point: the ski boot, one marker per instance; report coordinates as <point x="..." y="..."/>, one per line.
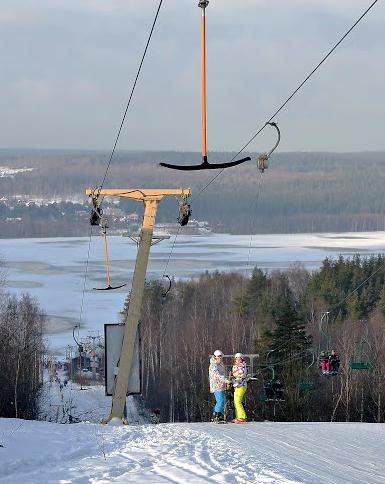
<point x="218" y="418"/>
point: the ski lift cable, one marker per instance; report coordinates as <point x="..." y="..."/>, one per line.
<point x="131" y="95"/>
<point x="85" y="278"/>
<point x="262" y="165"/>
<point x="115" y="144"/>
<point x="293" y="93"/>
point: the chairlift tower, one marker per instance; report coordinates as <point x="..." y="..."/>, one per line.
<point x="150" y="198"/>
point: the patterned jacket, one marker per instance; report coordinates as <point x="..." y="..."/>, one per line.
<point x="217" y="375"/>
<point x="239" y="375"/>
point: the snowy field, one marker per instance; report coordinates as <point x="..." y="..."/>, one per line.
<point x="53" y="269"/>
<point x="266" y="452"/>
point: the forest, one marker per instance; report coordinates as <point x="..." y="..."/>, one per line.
<point x="21" y="356"/>
<point x="299" y="192"/>
<point x="276" y="316"/>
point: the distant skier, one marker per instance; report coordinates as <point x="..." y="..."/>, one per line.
<point x="269" y="392"/>
<point x="239" y="381"/>
<point x="334" y="362"/>
<point x="324" y="362"/>
<point x="217" y="377"/>
<point x="278" y="389"/>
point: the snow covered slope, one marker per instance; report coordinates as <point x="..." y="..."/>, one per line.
<point x="42" y="452"/>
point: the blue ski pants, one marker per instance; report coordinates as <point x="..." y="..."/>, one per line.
<point x="219" y="401"/>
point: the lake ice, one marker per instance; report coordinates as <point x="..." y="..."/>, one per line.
<point x="53" y="269"/>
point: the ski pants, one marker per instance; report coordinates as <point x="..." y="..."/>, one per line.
<point x="219" y="401"/>
<point x="239" y="393"/>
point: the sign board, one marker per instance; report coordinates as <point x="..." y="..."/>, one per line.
<point x="113" y="339"/>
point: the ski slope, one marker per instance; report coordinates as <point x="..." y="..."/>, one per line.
<point x="257" y="452"/>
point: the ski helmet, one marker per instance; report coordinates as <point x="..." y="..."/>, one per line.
<point x="218" y="353"/>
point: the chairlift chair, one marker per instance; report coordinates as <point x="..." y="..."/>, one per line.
<point x="307" y="385"/>
<point x="362" y="363"/>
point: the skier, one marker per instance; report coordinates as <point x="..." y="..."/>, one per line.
<point x="278" y="389"/>
<point x="324" y="362"/>
<point x="334" y="363"/>
<point x="239" y="381"/>
<point x="269" y="392"/>
<point x="217" y="378"/>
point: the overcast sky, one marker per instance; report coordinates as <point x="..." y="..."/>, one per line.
<point x="67" y="67"/>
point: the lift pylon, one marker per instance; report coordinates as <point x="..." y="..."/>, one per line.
<point x="151" y="199"/>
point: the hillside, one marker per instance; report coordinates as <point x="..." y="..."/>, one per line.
<point x="267" y="452"/>
<point x="301" y="192"/>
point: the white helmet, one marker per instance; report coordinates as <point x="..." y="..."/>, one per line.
<point x="238" y="355"/>
<point x="218" y="353"/>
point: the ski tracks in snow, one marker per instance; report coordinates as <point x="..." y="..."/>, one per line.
<point x="264" y="452"/>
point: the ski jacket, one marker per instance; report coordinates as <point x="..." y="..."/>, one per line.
<point x="334" y="359"/>
<point x="239" y="375"/>
<point x="217" y="375"/>
<point x="323" y="357"/>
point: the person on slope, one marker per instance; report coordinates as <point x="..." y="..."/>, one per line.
<point x="217" y="378"/>
<point x="334" y="362"/>
<point x="324" y="362"/>
<point x="239" y="381"/>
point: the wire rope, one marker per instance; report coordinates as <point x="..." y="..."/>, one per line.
<point x="131" y="94"/>
<point x="293" y="93"/>
<point x="114" y="148"/>
<point x="271" y="117"/>
<point x="85" y="278"/>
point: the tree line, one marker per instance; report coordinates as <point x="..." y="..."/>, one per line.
<point x="301" y="192"/>
<point x="275" y="315"/>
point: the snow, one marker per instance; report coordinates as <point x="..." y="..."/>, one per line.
<point x="85" y="403"/>
<point x="6" y="172"/>
<point x="257" y="452"/>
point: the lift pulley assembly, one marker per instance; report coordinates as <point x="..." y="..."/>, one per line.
<point x="263" y="160"/>
<point x="184" y="212"/>
<point x="96" y="211"/>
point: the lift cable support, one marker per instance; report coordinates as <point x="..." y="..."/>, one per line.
<point x="205" y="165"/>
<point x="290" y="97"/>
<point x="104" y="227"/>
<point x="150" y="198"/>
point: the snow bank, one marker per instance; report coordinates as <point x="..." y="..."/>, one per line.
<point x="41" y="452"/>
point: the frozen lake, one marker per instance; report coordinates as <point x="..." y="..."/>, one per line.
<point x="53" y="269"/>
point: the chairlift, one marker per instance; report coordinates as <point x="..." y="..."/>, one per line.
<point x="272" y="388"/>
<point x="104" y="226"/>
<point x="308" y="385"/>
<point x="362" y="363"/>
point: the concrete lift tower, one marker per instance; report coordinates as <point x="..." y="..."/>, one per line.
<point x="151" y="199"/>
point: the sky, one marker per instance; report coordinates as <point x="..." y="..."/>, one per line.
<point x="67" y="68"/>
